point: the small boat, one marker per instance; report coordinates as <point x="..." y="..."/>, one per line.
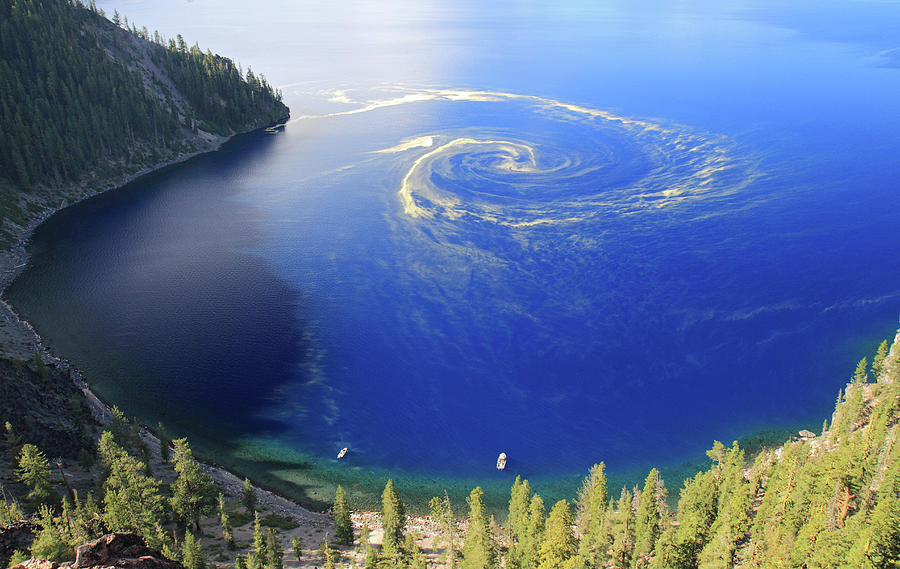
<point x="501" y="461"/>
<point x="343" y="452"/>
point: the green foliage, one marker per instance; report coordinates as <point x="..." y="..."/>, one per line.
<point x="479" y="549"/>
<point x="191" y="553"/>
<point x="34" y="471"/>
<point x="50" y="543"/>
<point x="651" y="513"/>
<point x="164" y="443"/>
<point x="696" y="512"/>
<point x="328" y="556"/>
<point x="227" y="530"/>
<point x="297" y="548"/>
<point x="9" y="511"/>
<point x="280" y="522"/>
<point x="260" y="552"/>
<point x="878" y="360"/>
<point x="131" y="499"/>
<point x="18" y="556"/>
<point x="71" y="100"/>
<point x="623" y="532"/>
<point x="274" y="552"/>
<point x="193" y="492"/>
<point x="590" y="508"/>
<point x="248" y="496"/>
<point x="860" y="376"/>
<point x="559" y="546"/>
<point x="393" y="516"/>
<point x="343" y="526"/>
<point x="125" y="433"/>
<point x="442" y="512"/>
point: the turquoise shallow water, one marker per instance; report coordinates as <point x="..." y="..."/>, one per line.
<point x="570" y="234"/>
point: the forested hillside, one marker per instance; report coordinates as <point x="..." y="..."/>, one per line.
<point x="85" y="101"/>
<point x="822" y="501"/>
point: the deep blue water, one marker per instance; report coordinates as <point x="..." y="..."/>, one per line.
<point x="572" y="233"/>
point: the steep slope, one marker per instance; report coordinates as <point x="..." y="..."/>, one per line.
<point x="84" y="104"/>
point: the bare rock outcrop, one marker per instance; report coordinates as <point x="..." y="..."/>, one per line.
<point x="114" y="550"/>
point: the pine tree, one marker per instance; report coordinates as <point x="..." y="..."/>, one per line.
<point x="859" y="376"/>
<point x="191" y="553"/>
<point x="393" y="516"/>
<point x="530" y="545"/>
<point x="49" y="543"/>
<point x="679" y="546"/>
<point x="519" y="500"/>
<point x="590" y="510"/>
<point x="34" y="471"/>
<point x="878" y="360"/>
<point x="328" y="556"/>
<point x="648" y="522"/>
<point x="274" y="551"/>
<point x="559" y="545"/>
<point x="260" y="552"/>
<point x="164" y="443"/>
<point x="248" y="497"/>
<point x="131" y="499"/>
<point x="227" y="530"/>
<point x="297" y="548"/>
<point x="623" y="532"/>
<point x="442" y="512"/>
<point x="193" y="492"/>
<point x="343" y="525"/>
<point x="479" y="550"/>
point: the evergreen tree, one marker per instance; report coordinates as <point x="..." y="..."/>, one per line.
<point x="479" y="550"/>
<point x="193" y="492"/>
<point x="623" y="532"/>
<point x="274" y="551"/>
<point x="590" y="511"/>
<point x="559" y="546"/>
<point x="328" y="556"/>
<point x="530" y="545"/>
<point x="191" y="553"/>
<point x="50" y="543"/>
<point x="131" y="499"/>
<point x="648" y="522"/>
<point x="442" y="512"/>
<point x="248" y="497"/>
<point x="297" y="548"/>
<point x="227" y="530"/>
<point x="343" y="525"/>
<point x="696" y="513"/>
<point x="393" y="516"/>
<point x="878" y="360"/>
<point x="164" y="443"/>
<point x="519" y="500"/>
<point x="859" y="376"/>
<point x="260" y="553"/>
<point x="34" y="471"/>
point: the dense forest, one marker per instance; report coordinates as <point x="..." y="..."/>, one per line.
<point x="830" y="500"/>
<point x="84" y="100"/>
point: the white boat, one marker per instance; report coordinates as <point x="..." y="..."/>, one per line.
<point x="343" y="452"/>
<point x="501" y="461"/>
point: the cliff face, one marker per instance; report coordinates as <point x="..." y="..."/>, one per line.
<point x="45" y="408"/>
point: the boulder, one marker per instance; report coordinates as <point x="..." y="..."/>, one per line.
<point x="115" y="550"/>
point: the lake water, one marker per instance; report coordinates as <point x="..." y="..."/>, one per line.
<point x="572" y="233"/>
